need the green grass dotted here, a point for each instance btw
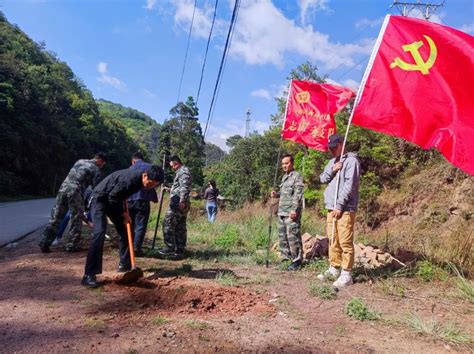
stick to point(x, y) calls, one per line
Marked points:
point(449, 333)
point(198, 325)
point(428, 272)
point(159, 321)
point(322, 291)
point(356, 309)
point(465, 287)
point(227, 278)
point(318, 266)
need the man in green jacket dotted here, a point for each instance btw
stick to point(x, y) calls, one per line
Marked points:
point(289, 214)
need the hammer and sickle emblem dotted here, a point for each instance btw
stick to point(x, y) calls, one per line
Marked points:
point(303, 97)
point(421, 65)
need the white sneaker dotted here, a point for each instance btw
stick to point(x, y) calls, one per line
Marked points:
point(56, 242)
point(330, 272)
point(344, 279)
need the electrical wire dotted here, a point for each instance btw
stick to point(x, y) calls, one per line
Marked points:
point(187, 49)
point(221, 67)
point(207, 49)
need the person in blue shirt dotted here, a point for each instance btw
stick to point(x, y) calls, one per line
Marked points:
point(139, 206)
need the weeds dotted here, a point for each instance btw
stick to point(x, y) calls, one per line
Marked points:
point(428, 271)
point(159, 321)
point(227, 278)
point(322, 291)
point(318, 265)
point(464, 286)
point(449, 333)
point(356, 309)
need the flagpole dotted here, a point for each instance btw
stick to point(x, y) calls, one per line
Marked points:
point(356, 102)
point(270, 211)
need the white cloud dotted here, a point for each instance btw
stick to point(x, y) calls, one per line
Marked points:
point(202, 18)
point(309, 6)
point(262, 93)
point(467, 28)
point(268, 39)
point(365, 22)
point(102, 69)
point(150, 4)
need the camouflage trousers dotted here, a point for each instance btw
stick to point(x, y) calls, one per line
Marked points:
point(291, 246)
point(69, 200)
point(174, 228)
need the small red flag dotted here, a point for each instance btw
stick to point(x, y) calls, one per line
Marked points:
point(310, 112)
point(420, 87)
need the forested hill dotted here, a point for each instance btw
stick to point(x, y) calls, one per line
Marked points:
point(48, 119)
point(140, 127)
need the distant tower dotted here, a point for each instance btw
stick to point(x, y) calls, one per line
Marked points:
point(247, 124)
point(426, 8)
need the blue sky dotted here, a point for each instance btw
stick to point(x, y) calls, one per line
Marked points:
point(132, 51)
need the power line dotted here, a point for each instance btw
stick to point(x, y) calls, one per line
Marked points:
point(224, 56)
point(207, 49)
point(223, 70)
point(187, 49)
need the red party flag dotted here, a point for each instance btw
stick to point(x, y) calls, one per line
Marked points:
point(310, 112)
point(419, 86)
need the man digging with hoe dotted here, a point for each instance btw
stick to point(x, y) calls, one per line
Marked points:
point(109, 200)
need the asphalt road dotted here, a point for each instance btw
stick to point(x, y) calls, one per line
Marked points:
point(20, 218)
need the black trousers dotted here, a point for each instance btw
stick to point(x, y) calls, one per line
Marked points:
point(139, 211)
point(100, 210)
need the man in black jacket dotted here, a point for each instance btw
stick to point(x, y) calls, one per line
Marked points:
point(108, 200)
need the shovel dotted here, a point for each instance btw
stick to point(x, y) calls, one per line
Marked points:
point(135, 273)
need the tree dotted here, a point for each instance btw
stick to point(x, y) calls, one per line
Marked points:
point(214, 154)
point(181, 135)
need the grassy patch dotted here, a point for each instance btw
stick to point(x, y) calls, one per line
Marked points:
point(356, 309)
point(427, 271)
point(464, 286)
point(159, 321)
point(322, 291)
point(198, 324)
point(318, 266)
point(449, 333)
point(227, 278)
point(390, 287)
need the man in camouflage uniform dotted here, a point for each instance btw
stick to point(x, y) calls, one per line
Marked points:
point(84, 173)
point(289, 214)
point(174, 223)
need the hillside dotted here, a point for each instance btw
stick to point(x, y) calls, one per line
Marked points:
point(143, 129)
point(49, 119)
point(430, 212)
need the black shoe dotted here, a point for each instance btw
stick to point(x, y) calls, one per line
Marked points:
point(122, 268)
point(294, 266)
point(139, 253)
point(90, 281)
point(73, 249)
point(45, 248)
point(166, 251)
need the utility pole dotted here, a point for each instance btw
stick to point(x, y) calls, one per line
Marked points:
point(247, 124)
point(425, 8)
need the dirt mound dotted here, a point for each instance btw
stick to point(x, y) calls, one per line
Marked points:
point(188, 296)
